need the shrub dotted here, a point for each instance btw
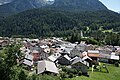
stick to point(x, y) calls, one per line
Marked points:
point(70, 75)
point(116, 64)
point(79, 73)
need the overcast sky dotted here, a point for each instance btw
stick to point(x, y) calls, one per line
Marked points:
point(113, 5)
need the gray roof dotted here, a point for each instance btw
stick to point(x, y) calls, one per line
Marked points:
point(46, 66)
point(86, 57)
point(52, 58)
point(77, 60)
point(27, 62)
point(93, 51)
point(29, 57)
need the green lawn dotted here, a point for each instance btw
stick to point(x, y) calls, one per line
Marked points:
point(114, 74)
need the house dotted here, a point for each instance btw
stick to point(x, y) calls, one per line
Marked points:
point(64, 60)
point(64, 52)
point(90, 47)
point(89, 60)
point(75, 52)
point(36, 55)
point(28, 60)
point(54, 57)
point(104, 50)
point(81, 47)
point(85, 58)
point(44, 55)
point(109, 58)
point(93, 54)
point(113, 58)
point(45, 66)
point(81, 65)
point(104, 57)
point(67, 47)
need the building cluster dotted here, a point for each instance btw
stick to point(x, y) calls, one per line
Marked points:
point(45, 55)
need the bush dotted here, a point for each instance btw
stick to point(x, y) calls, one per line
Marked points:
point(70, 75)
point(69, 70)
point(63, 75)
point(79, 73)
point(116, 64)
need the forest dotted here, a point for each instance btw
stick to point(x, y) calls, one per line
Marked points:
point(103, 26)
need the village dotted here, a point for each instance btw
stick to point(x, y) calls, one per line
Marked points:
point(55, 56)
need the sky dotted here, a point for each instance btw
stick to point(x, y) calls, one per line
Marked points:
point(113, 5)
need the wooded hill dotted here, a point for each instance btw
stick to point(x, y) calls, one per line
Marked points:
point(45, 22)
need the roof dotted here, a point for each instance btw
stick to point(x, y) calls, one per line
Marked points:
point(46, 66)
point(35, 51)
point(93, 51)
point(77, 60)
point(86, 57)
point(67, 57)
point(29, 57)
point(114, 57)
point(93, 55)
point(47, 50)
point(52, 58)
point(74, 58)
point(28, 62)
point(105, 56)
point(44, 46)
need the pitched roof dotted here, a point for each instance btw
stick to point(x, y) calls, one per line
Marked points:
point(46, 66)
point(52, 58)
point(93, 55)
point(67, 57)
point(29, 57)
point(114, 57)
point(105, 56)
point(93, 51)
point(28, 62)
point(35, 51)
point(81, 61)
point(86, 57)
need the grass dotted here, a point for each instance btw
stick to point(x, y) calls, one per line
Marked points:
point(111, 30)
point(114, 74)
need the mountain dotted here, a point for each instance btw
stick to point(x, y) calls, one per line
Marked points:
point(22, 5)
point(5, 1)
point(86, 5)
point(78, 5)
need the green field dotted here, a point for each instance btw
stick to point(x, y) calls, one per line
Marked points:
point(114, 74)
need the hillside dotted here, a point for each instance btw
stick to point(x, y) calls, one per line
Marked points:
point(79, 5)
point(41, 22)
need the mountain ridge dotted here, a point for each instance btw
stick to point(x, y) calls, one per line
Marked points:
point(17, 6)
point(85, 5)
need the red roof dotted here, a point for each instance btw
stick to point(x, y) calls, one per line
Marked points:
point(93, 55)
